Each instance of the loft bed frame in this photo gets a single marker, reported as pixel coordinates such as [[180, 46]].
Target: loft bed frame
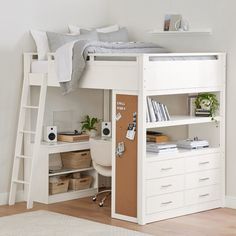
[[145, 75], [130, 71]]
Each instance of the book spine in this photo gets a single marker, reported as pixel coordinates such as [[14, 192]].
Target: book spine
[[167, 112], [152, 113], [164, 112]]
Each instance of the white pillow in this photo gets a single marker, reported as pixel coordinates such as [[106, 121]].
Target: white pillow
[[41, 41], [73, 29]]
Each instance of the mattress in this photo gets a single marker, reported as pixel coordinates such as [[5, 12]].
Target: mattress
[[39, 66], [42, 66]]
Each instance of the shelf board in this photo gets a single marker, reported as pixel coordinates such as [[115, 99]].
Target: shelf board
[[70, 171], [151, 156], [65, 146], [70, 195], [190, 32], [181, 120]]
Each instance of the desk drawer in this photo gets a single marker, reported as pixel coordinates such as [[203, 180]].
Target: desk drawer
[[200, 195], [203, 178], [165, 185], [165, 202], [161, 169], [203, 162]]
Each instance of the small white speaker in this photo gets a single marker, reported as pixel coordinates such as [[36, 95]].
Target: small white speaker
[[50, 134], [106, 129]]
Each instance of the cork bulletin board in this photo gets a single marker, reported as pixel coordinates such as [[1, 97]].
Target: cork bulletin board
[[126, 162]]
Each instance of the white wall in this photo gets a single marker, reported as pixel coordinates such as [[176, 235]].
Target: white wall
[[16, 18], [142, 15]]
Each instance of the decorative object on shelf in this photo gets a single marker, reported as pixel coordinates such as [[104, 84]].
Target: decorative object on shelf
[[156, 111], [194, 143], [76, 159], [58, 185], [206, 105], [156, 137], [191, 105], [162, 147], [50, 134], [172, 22], [84, 182], [72, 137], [89, 125]]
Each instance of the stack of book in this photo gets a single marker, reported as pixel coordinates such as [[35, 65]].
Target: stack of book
[[156, 137], [162, 147], [156, 111], [202, 113]]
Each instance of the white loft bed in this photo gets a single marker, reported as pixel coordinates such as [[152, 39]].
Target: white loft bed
[[126, 71], [149, 75]]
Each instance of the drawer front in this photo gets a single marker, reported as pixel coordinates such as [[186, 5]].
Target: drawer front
[[165, 202], [200, 195], [165, 185], [203, 162], [165, 168], [203, 178]]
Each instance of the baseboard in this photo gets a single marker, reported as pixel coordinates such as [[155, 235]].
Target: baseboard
[[4, 197], [230, 202]]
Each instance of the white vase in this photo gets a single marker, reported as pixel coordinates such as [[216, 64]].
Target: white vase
[[92, 133]]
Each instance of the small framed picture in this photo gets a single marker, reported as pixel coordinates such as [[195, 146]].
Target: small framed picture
[[172, 22]]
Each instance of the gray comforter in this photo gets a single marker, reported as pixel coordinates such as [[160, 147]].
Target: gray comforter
[[83, 48]]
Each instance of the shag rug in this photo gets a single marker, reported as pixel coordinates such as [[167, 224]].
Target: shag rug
[[46, 223]]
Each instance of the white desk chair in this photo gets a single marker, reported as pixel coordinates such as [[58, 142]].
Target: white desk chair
[[101, 154]]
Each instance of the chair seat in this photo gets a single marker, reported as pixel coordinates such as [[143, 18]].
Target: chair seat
[[103, 170]]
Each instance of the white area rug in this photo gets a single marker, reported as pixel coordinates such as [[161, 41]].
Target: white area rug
[[45, 223]]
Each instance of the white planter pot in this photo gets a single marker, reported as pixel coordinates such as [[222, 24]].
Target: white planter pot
[[92, 133]]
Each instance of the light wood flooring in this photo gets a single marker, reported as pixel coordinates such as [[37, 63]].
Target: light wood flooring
[[219, 222]]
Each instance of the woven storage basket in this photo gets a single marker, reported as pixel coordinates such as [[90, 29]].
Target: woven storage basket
[[59, 187], [82, 183], [76, 160]]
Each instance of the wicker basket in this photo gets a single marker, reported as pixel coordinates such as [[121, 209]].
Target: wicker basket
[[76, 160], [60, 187], [82, 183]]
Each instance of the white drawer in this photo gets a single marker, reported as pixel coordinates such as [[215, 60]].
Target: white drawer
[[200, 195], [202, 162], [203, 178], [161, 169], [165, 185], [165, 202]]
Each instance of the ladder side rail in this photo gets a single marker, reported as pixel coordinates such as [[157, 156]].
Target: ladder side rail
[[38, 137], [19, 141]]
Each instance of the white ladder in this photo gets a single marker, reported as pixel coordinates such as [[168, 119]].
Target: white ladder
[[21, 133]]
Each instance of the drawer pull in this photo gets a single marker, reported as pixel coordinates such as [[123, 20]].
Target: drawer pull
[[166, 186], [204, 179], [166, 169], [166, 203], [204, 163], [204, 195]]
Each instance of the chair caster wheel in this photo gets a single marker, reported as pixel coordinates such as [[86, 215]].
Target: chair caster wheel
[[101, 204], [94, 199]]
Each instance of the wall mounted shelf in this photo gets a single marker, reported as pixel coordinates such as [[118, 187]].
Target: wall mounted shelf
[[193, 32]]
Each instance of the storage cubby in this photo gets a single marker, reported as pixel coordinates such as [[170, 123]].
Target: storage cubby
[[50, 157]]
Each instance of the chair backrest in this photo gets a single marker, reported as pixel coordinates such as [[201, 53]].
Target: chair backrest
[[101, 151]]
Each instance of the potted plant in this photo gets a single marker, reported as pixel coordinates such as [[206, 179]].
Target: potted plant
[[89, 125], [206, 105]]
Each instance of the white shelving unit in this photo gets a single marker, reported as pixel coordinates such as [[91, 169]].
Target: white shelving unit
[[41, 177], [193, 32]]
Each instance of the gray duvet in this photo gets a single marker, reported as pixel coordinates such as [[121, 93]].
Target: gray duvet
[[83, 48]]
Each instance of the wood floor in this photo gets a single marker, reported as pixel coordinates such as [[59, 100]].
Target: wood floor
[[219, 222]]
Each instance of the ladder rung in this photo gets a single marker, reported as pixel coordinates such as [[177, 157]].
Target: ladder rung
[[27, 132], [31, 107], [20, 182], [24, 157]]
